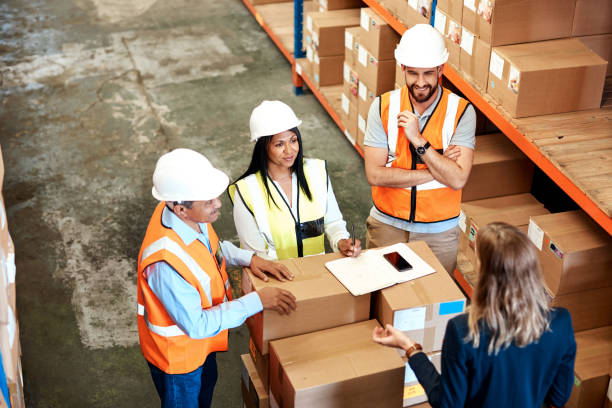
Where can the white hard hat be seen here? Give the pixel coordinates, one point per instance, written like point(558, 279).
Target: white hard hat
point(421, 46)
point(270, 118)
point(186, 175)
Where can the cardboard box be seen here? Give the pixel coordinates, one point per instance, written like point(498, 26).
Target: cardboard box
point(339, 367)
point(351, 38)
point(378, 76)
point(499, 169)
point(422, 307)
point(593, 358)
point(327, 5)
point(254, 392)
point(322, 301)
point(414, 393)
point(546, 77)
point(397, 8)
point(602, 45)
point(590, 309)
point(261, 363)
point(327, 71)
point(451, 30)
point(419, 12)
point(575, 253)
point(307, 68)
point(474, 55)
point(592, 17)
point(452, 8)
point(378, 37)
point(327, 30)
point(515, 208)
point(503, 22)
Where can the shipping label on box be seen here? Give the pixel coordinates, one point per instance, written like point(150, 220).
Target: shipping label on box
point(379, 38)
point(421, 308)
point(451, 30)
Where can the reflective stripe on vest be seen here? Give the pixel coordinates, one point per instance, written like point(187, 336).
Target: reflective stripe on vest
point(277, 225)
point(162, 342)
point(164, 331)
point(427, 202)
point(168, 244)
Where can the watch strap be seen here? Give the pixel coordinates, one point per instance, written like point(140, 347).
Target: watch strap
point(413, 348)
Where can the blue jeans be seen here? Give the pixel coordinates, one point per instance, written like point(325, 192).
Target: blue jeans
point(191, 390)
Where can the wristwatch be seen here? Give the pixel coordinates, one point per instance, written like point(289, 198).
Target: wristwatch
point(413, 348)
point(422, 149)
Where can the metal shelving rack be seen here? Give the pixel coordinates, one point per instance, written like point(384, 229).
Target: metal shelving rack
point(491, 111)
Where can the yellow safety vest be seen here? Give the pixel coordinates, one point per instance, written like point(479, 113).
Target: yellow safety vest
point(285, 236)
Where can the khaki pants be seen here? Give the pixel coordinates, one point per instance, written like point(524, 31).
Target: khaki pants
point(443, 244)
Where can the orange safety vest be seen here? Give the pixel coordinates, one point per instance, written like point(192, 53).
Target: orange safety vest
point(162, 342)
point(428, 202)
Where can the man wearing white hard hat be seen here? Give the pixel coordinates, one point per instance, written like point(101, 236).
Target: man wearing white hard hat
point(284, 204)
point(185, 305)
point(419, 146)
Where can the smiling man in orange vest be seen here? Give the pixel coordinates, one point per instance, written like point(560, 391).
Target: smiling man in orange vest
point(419, 146)
point(185, 305)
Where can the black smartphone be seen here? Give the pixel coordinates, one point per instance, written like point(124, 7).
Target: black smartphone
point(398, 261)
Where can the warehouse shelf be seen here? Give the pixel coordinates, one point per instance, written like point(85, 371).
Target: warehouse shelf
point(597, 201)
point(573, 149)
point(277, 21)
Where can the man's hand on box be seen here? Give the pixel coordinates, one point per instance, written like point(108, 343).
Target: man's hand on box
point(260, 267)
point(277, 299)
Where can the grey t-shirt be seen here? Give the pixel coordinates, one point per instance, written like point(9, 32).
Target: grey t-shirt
point(375, 136)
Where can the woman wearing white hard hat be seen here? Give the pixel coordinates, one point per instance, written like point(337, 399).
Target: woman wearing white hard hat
point(284, 204)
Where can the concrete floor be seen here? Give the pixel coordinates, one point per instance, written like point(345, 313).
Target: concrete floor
point(93, 92)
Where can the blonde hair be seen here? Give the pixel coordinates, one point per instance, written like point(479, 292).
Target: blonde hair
point(509, 298)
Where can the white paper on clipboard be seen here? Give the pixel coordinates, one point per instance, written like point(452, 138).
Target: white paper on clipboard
point(371, 271)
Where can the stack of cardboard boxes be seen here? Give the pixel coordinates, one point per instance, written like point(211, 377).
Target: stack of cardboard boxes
point(11, 385)
point(374, 64)
point(507, 49)
point(323, 353)
point(324, 37)
point(576, 259)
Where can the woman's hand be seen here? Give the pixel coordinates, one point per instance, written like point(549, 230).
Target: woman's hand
point(391, 337)
point(345, 246)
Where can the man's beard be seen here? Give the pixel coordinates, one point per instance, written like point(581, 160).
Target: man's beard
point(421, 98)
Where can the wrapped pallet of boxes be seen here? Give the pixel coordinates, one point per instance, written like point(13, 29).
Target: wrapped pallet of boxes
point(504, 22)
point(338, 367)
point(421, 308)
point(593, 362)
point(495, 158)
point(451, 31)
point(322, 302)
point(546, 77)
point(325, 31)
point(254, 393)
point(514, 209)
point(576, 259)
